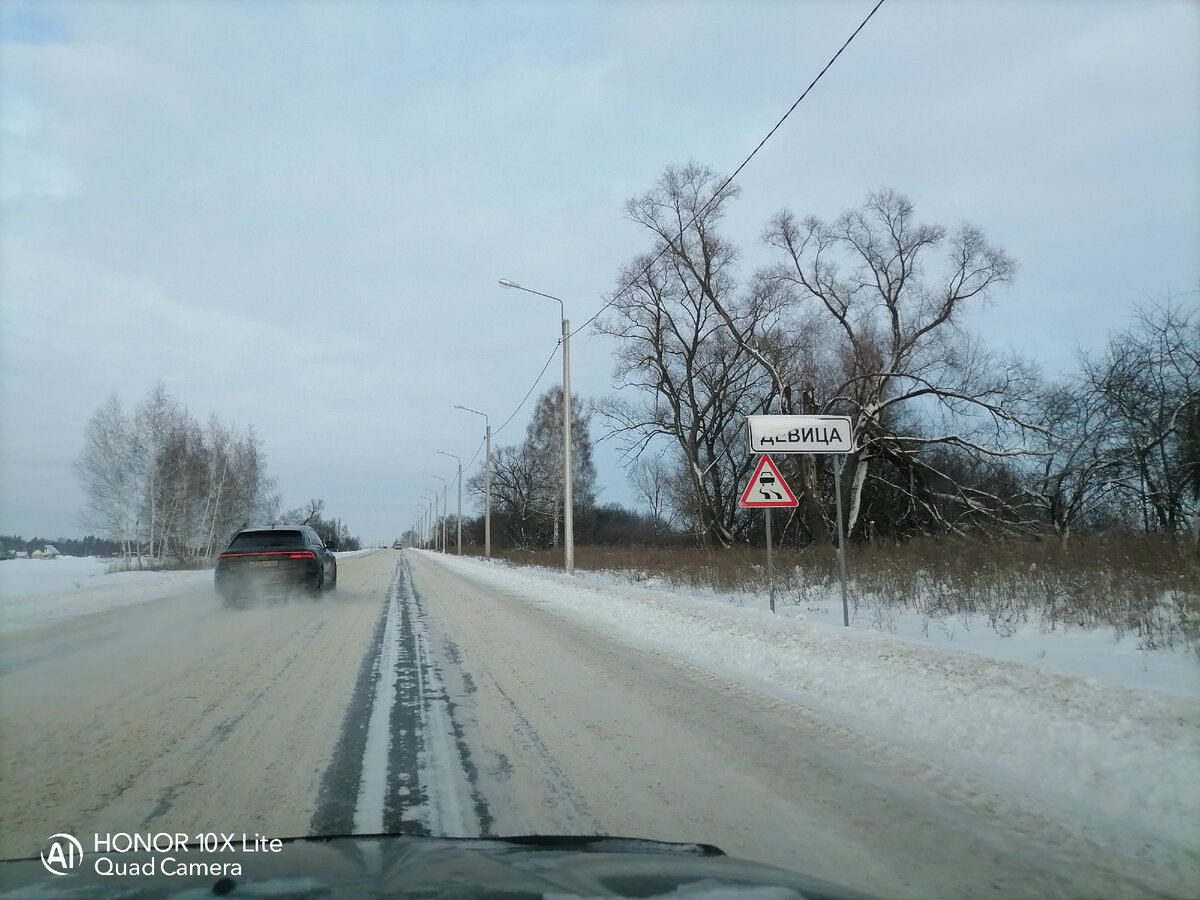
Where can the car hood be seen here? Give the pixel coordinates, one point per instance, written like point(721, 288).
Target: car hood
point(409, 866)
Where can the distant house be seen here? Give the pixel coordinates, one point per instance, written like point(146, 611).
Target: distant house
point(49, 552)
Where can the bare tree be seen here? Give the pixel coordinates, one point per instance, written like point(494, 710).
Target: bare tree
point(518, 497)
point(156, 480)
point(652, 480)
point(216, 500)
point(527, 480)
point(304, 515)
point(106, 469)
point(334, 532)
point(1148, 381)
point(1073, 472)
point(154, 419)
point(184, 462)
point(257, 498)
point(863, 316)
point(905, 359)
point(697, 384)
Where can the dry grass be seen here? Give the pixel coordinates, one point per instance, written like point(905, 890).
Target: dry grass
point(1132, 583)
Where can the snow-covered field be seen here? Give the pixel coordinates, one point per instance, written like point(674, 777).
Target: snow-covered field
point(35, 592)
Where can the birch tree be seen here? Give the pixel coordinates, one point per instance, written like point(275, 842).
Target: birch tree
point(544, 446)
point(107, 470)
point(163, 486)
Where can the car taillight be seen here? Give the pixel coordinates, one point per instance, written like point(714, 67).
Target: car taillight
point(307, 554)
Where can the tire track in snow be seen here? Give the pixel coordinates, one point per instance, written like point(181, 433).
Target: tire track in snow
point(400, 757)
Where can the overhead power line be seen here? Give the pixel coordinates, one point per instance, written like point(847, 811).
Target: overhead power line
point(532, 387)
point(716, 194)
point(728, 181)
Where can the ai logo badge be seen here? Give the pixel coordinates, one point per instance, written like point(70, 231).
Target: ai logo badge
point(65, 853)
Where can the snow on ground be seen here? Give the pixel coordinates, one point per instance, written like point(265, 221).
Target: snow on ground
point(38, 592)
point(1100, 753)
point(19, 577)
point(1099, 653)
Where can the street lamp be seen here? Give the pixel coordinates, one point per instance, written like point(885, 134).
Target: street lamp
point(487, 482)
point(423, 522)
point(445, 511)
point(568, 507)
point(458, 551)
point(433, 530)
point(419, 525)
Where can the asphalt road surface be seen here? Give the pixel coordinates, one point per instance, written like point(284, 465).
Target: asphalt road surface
point(412, 699)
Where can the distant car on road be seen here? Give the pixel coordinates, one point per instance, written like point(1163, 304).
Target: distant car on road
point(272, 562)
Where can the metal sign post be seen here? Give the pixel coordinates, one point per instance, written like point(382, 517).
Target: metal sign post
point(801, 434)
point(837, 489)
point(770, 564)
point(771, 491)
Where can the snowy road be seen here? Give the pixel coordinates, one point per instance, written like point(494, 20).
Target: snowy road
point(178, 715)
point(426, 696)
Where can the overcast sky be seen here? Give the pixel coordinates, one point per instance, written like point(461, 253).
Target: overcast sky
point(294, 214)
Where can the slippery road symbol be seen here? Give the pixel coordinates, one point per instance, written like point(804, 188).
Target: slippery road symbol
point(767, 487)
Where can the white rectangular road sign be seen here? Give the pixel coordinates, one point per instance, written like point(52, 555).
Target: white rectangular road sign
point(799, 434)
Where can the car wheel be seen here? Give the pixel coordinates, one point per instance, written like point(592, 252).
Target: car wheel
point(319, 584)
point(332, 584)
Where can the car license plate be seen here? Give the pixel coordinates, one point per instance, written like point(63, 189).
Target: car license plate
point(264, 563)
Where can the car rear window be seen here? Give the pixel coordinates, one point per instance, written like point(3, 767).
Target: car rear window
point(267, 540)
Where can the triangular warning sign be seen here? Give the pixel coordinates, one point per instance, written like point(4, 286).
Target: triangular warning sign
point(767, 489)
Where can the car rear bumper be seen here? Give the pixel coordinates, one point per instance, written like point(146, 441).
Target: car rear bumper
point(241, 579)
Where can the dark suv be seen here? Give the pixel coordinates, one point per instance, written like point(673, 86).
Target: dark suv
point(271, 562)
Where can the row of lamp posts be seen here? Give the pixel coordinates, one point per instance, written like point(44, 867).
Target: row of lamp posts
point(568, 499)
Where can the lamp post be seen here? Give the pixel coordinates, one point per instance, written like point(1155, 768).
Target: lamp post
point(487, 482)
point(433, 530)
point(445, 510)
point(458, 546)
point(418, 526)
point(568, 501)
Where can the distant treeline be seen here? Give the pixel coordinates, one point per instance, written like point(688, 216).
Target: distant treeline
point(88, 546)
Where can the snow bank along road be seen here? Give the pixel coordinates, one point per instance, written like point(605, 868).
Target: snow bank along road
point(427, 697)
